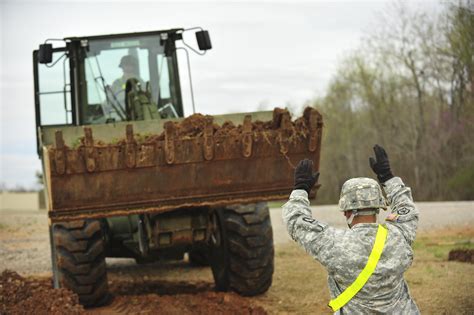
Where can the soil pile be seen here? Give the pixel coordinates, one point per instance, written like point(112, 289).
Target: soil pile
point(184, 304)
point(463, 255)
point(194, 125)
point(29, 296)
point(133, 297)
point(20, 295)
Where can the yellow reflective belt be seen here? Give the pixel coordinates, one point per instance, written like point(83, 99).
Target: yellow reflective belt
point(365, 274)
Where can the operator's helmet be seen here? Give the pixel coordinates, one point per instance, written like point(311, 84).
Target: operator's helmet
point(361, 193)
point(129, 60)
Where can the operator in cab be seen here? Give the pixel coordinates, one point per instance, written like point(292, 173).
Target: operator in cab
point(130, 67)
point(366, 262)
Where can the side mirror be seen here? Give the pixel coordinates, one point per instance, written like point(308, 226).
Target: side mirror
point(203, 39)
point(45, 53)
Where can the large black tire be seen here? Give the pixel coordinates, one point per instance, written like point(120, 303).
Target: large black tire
point(241, 249)
point(78, 252)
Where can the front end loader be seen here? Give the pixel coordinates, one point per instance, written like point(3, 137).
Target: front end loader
point(127, 175)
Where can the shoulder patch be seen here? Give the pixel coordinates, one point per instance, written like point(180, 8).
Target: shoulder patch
point(309, 220)
point(403, 211)
point(311, 224)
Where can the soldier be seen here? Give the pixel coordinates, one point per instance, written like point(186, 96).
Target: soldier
point(365, 263)
point(129, 65)
point(130, 68)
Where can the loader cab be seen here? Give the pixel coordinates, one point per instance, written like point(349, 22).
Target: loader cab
point(85, 82)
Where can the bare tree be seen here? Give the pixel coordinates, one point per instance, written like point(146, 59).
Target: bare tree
point(410, 88)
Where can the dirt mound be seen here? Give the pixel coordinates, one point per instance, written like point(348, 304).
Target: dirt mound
point(194, 125)
point(132, 297)
point(228, 129)
point(182, 304)
point(463, 255)
point(20, 295)
point(31, 296)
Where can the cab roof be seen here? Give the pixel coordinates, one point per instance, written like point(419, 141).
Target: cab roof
point(170, 31)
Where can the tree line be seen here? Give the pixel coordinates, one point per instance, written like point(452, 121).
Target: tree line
point(409, 87)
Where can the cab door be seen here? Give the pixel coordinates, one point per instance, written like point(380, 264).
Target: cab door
point(53, 102)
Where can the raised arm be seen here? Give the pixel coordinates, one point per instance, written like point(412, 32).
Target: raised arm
point(404, 213)
point(315, 237)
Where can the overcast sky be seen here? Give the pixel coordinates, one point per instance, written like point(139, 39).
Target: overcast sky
point(265, 54)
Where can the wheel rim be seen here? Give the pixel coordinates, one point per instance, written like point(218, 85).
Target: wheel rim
point(215, 237)
point(217, 253)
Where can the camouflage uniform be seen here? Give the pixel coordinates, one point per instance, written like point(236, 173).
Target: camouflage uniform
point(118, 87)
point(117, 94)
point(344, 253)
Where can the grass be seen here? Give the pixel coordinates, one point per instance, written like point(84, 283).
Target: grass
point(439, 246)
point(276, 204)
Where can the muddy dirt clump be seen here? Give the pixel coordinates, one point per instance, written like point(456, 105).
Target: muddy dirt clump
point(169, 297)
point(228, 129)
point(19, 295)
point(32, 295)
point(194, 125)
point(462, 255)
point(184, 304)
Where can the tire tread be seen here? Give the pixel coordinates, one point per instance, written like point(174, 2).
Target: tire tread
point(249, 248)
point(80, 260)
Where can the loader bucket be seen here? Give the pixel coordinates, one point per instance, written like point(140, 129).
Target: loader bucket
point(158, 166)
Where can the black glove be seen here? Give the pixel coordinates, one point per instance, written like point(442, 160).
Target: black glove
point(380, 164)
point(304, 176)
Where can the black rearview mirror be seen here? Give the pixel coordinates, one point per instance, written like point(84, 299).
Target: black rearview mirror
point(203, 39)
point(45, 53)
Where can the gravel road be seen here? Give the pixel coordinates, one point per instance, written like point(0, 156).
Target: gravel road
point(24, 240)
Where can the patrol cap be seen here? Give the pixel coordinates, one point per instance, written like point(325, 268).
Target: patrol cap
point(361, 193)
point(128, 60)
